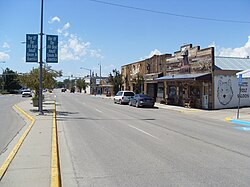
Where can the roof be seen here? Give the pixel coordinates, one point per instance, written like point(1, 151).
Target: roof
point(231, 63)
point(245, 73)
point(186, 76)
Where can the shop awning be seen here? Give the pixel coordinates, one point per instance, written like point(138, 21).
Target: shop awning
point(197, 76)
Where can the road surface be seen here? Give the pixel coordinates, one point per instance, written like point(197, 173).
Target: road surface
point(106, 144)
point(10, 122)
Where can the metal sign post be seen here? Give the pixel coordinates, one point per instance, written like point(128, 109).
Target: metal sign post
point(40, 99)
point(239, 83)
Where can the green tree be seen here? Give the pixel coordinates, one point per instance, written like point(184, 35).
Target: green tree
point(31, 79)
point(81, 84)
point(59, 84)
point(66, 83)
point(10, 81)
point(116, 80)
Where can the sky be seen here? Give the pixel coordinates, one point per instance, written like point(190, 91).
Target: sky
point(112, 33)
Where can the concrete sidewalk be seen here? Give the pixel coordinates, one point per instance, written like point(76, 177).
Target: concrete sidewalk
point(31, 165)
point(229, 115)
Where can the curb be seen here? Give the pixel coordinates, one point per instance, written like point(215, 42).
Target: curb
point(14, 151)
point(55, 163)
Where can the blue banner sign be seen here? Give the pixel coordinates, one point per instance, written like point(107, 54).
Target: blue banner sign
point(31, 47)
point(51, 48)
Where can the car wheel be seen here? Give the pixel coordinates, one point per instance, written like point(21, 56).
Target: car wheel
point(137, 104)
point(130, 103)
point(120, 102)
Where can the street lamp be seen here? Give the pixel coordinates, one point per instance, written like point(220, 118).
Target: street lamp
point(89, 78)
point(100, 78)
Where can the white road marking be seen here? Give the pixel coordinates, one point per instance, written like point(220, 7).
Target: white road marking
point(144, 132)
point(98, 110)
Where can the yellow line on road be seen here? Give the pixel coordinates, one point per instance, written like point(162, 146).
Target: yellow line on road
point(12, 154)
point(55, 164)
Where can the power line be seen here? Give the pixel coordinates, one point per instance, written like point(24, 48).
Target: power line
point(170, 14)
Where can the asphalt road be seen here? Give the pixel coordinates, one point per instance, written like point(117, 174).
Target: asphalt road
point(106, 144)
point(10, 122)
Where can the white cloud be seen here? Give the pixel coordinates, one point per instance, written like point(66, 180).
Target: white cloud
point(63, 29)
point(236, 52)
point(6, 45)
point(52, 20)
point(154, 52)
point(4, 56)
point(95, 53)
point(73, 48)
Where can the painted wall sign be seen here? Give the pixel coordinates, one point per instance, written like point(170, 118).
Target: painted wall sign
point(227, 91)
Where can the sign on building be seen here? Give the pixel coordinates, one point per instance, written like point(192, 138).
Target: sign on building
point(51, 48)
point(31, 47)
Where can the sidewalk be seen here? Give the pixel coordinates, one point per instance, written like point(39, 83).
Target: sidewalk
point(31, 165)
point(229, 115)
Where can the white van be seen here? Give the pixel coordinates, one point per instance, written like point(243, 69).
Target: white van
point(123, 97)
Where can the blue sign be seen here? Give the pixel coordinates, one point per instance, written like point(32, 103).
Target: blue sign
point(240, 79)
point(51, 48)
point(31, 47)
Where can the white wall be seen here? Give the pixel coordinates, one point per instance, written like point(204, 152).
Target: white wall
point(226, 91)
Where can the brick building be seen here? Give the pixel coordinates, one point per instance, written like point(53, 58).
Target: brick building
point(190, 77)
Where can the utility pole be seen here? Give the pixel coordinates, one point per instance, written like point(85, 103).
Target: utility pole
point(100, 78)
point(40, 105)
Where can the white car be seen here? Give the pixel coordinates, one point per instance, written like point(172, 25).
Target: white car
point(26, 93)
point(123, 97)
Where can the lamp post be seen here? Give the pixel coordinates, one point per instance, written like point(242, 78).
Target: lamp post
point(89, 78)
point(40, 99)
point(100, 77)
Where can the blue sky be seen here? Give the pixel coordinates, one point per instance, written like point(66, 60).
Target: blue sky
point(91, 32)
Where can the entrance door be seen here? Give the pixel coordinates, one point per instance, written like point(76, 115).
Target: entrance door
point(152, 90)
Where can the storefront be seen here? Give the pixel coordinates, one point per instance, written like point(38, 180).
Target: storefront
point(191, 90)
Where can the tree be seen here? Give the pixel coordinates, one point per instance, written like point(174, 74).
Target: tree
point(66, 83)
point(10, 81)
point(138, 82)
point(81, 84)
point(116, 80)
point(31, 79)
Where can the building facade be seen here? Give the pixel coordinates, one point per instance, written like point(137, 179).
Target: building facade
point(190, 77)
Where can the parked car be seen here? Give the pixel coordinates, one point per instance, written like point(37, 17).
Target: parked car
point(123, 97)
point(26, 93)
point(142, 100)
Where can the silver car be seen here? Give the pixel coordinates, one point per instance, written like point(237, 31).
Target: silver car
point(123, 97)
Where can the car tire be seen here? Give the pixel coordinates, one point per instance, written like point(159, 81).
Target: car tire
point(130, 103)
point(120, 102)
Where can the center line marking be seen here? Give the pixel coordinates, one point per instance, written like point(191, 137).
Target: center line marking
point(144, 132)
point(98, 110)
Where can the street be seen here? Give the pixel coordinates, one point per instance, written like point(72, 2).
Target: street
point(106, 144)
point(11, 123)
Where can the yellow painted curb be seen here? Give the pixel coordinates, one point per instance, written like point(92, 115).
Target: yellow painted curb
point(55, 164)
point(12, 154)
point(228, 119)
